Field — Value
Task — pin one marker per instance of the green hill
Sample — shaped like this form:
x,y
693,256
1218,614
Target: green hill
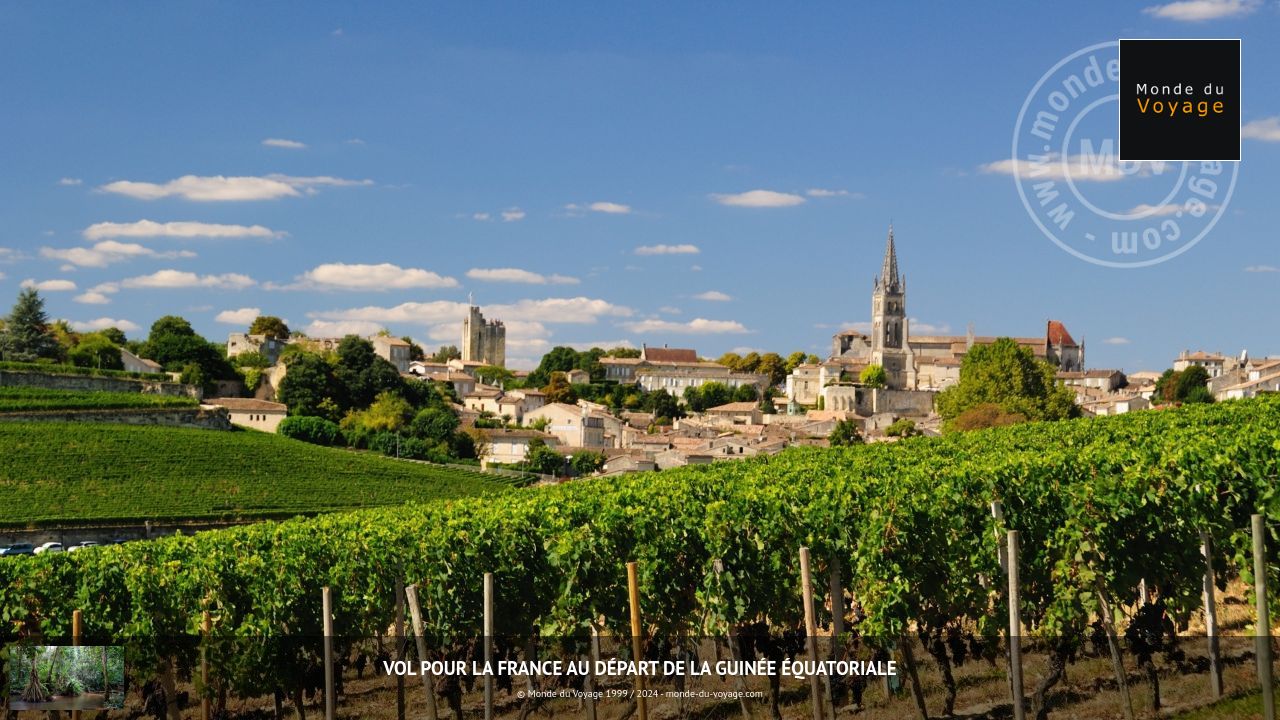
x,y
68,473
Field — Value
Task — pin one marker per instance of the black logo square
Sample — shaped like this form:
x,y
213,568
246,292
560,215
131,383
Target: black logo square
x,y
1179,100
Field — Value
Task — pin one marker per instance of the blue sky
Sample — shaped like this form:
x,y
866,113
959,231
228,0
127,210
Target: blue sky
x,y
587,172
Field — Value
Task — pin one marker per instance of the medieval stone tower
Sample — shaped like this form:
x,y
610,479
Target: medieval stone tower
x,y
889,347
483,340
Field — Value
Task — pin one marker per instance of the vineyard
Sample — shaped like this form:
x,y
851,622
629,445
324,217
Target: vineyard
x,y
76,370
67,474
26,399
1102,506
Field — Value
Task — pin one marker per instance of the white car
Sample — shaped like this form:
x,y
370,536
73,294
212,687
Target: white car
x,y
83,545
49,547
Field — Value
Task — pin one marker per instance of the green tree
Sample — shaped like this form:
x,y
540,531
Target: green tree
x,y
902,427
493,375
27,336
873,376
95,350
388,413
586,462
709,395
364,374
542,459
558,359
1010,377
445,354
1192,386
311,388
745,393
558,390
175,345
663,405
774,366
795,360
434,423
115,335
269,325
845,433
416,353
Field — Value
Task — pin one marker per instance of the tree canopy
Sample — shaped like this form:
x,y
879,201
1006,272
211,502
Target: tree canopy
x,y
27,334
269,325
1011,378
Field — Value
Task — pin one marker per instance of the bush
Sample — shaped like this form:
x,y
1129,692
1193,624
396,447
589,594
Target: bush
x,y
902,428
315,430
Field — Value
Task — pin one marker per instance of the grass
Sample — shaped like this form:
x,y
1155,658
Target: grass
x,y
55,369
1242,707
55,473
25,399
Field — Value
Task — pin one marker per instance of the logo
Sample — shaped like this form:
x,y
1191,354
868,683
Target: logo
x,y
1069,175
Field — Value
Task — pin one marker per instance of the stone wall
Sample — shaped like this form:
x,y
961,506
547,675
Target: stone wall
x,y
89,383
105,532
204,417
902,402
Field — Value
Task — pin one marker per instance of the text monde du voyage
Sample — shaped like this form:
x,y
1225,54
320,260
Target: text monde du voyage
x,y
649,668
1180,99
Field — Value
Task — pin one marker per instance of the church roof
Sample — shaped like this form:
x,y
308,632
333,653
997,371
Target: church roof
x,y
1058,334
889,278
665,354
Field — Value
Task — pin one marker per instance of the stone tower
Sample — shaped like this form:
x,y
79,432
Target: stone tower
x,y
889,347
483,340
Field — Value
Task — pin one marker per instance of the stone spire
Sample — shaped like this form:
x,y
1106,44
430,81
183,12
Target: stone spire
x,y
889,279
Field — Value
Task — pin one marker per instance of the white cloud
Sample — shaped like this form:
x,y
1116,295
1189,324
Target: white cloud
x,y
49,285
92,297
179,279
70,181
1080,168
1197,10
150,228
610,207
481,216
512,214
341,328
354,141
1162,210
697,326
384,276
1267,129
1262,269
825,193
575,310
107,252
602,344
243,316
1116,341
758,199
667,250
670,310
9,255
915,327
516,275
103,323
713,296
219,188
283,143
2,276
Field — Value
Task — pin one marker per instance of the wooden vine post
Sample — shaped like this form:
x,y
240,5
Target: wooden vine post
x,y
637,640
428,678
1015,627
835,593
488,645
77,633
1263,630
330,699
1104,614
1211,616
811,631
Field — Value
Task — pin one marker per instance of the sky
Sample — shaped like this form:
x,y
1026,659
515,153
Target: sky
x,y
711,175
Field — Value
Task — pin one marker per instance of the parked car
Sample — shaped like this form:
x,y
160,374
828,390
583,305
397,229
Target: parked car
x,y
18,549
82,545
49,547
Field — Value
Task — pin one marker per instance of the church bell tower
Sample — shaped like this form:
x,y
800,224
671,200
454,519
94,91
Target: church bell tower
x,y
889,348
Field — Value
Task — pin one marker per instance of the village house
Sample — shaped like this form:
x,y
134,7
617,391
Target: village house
x,y
393,350
511,447
572,425
247,412
133,363
1107,380
674,370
